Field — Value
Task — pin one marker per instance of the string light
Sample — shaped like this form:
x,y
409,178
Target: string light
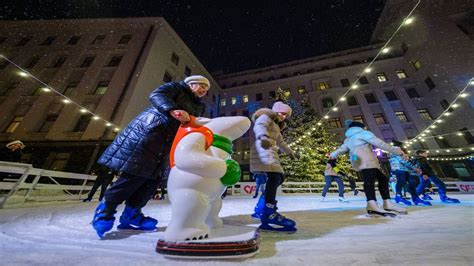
x,y
66,100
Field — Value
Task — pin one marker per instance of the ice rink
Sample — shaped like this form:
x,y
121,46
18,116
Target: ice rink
x,y
330,233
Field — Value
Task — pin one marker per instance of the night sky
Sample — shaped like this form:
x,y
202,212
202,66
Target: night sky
x,y
232,35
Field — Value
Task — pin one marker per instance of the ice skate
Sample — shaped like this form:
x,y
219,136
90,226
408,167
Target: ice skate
x,y
342,199
391,207
322,199
135,220
427,197
447,199
374,210
356,192
418,201
103,220
273,221
399,199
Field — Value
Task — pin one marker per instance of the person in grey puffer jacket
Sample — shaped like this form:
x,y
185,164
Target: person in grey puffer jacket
x,y
359,143
264,158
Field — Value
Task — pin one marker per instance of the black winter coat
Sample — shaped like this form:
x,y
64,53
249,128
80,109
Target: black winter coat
x,y
143,147
8,155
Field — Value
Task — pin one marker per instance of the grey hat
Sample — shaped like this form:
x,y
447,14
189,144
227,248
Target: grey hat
x,y
197,79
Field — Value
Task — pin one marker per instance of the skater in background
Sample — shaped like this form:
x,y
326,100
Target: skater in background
x,y
12,152
359,143
264,157
104,177
331,174
402,168
428,175
141,150
260,180
351,180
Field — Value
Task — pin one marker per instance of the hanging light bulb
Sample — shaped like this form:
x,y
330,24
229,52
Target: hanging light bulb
x,y
23,74
83,110
455,105
463,95
108,124
368,70
342,99
95,117
385,50
354,86
45,89
66,101
459,134
408,21
334,108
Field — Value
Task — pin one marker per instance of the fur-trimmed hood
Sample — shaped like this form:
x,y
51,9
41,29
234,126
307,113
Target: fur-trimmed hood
x,y
270,113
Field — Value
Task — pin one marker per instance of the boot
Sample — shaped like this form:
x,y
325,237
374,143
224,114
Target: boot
x,y
134,219
259,208
417,201
398,199
427,197
342,199
103,220
389,206
374,210
273,221
446,199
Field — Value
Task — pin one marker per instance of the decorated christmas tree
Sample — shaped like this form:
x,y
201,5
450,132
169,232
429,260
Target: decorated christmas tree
x,y
314,146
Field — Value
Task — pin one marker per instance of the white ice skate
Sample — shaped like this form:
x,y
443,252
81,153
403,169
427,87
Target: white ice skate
x,y
322,199
374,210
392,207
342,199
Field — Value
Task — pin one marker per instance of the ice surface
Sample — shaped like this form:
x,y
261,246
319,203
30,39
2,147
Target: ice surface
x,y
330,233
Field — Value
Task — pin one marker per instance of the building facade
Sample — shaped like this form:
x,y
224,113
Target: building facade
x,y
107,66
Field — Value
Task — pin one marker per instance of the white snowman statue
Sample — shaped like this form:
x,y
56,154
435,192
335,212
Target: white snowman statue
x,y
201,169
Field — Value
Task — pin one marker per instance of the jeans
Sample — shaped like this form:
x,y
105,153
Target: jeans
x,y
340,185
424,183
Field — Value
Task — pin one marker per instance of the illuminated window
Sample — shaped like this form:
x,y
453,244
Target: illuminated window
x,y
287,92
401,74
223,102
358,118
379,119
416,64
381,77
334,122
14,124
234,100
323,85
401,116
425,114
245,99
101,88
301,90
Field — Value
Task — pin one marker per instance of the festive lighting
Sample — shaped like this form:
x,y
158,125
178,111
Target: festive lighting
x,y
455,105
342,99
354,86
108,124
408,21
368,70
459,134
95,117
83,110
385,50
326,117
334,108
464,95
66,101
45,89
23,74
440,137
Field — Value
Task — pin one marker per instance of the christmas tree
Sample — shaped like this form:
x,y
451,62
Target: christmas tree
x,y
314,145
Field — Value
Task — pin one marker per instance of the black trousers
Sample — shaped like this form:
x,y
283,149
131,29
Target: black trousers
x,y
369,176
134,190
274,180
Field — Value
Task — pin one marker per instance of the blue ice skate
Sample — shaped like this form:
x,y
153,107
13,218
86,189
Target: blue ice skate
x,y
258,210
427,197
273,221
133,219
103,220
399,199
418,201
446,199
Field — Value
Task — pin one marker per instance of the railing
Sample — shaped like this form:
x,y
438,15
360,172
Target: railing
x,y
18,182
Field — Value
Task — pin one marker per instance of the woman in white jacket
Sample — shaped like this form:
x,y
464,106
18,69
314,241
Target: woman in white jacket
x,y
359,144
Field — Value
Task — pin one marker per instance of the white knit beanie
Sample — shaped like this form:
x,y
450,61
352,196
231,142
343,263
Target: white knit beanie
x,y
280,107
22,146
197,79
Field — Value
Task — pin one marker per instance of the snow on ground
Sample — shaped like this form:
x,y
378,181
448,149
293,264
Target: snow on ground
x,y
330,233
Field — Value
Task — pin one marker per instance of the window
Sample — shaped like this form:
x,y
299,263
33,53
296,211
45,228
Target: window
x,y
358,118
323,85
87,61
83,122
287,92
272,94
14,124
327,102
391,96
379,119
223,102
33,61
363,80
345,83
115,61
167,77
233,100
351,101
48,123
49,40
23,41
175,58
401,116
412,93
187,71
370,97
125,39
467,135
60,161
101,88
334,122
425,114
59,62
416,64
258,97
381,77
74,40
445,105
301,89
245,99
443,143
401,74
429,82
70,88
98,39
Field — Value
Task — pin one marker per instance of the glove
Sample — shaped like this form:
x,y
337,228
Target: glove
x,y
232,174
266,143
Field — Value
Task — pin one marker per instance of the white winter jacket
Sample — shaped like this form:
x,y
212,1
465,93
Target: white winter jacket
x,y
359,143
267,160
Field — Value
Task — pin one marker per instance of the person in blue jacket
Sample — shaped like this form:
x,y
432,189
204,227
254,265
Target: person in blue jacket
x,y
140,153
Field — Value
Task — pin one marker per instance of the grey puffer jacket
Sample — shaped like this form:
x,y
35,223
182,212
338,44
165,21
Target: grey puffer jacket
x,y
359,144
267,160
